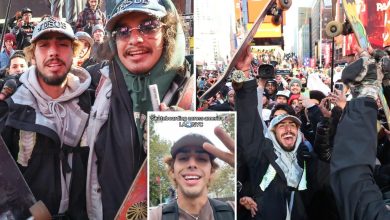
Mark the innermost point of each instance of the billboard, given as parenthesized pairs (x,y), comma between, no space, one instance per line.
(375,16)
(267,29)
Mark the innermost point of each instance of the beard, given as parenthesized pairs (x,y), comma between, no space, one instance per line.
(53,80)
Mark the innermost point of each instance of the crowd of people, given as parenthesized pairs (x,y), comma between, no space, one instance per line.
(76,99)
(301,146)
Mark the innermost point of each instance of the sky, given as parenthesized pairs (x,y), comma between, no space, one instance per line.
(292,22)
(171,130)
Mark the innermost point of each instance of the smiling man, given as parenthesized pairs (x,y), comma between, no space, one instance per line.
(275,167)
(149,48)
(44,120)
(191,170)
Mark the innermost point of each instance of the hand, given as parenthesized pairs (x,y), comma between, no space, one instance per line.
(164,108)
(244,62)
(303,154)
(249,204)
(306,102)
(338,98)
(360,52)
(228,157)
(324,108)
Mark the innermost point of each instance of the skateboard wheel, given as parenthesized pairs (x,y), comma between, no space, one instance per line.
(333,29)
(39,211)
(276,19)
(137,211)
(285,4)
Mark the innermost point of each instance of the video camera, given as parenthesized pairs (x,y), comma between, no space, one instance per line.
(266,71)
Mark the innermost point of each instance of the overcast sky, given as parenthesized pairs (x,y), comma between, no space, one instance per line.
(292,22)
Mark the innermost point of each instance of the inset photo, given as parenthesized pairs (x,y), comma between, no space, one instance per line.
(191,162)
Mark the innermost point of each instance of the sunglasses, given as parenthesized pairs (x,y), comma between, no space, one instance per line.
(146,28)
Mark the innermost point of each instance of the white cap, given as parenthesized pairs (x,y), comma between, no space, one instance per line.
(81,35)
(51,24)
(285,93)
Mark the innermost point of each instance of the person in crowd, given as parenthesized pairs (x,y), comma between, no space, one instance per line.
(9,44)
(90,16)
(98,35)
(227,105)
(149,49)
(191,169)
(83,58)
(24,28)
(274,160)
(17,64)
(282,96)
(355,146)
(295,86)
(270,89)
(43,122)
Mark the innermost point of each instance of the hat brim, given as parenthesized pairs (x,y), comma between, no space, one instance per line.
(116,17)
(89,40)
(292,118)
(54,30)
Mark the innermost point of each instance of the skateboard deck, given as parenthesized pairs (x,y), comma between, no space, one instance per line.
(361,36)
(16,198)
(357,25)
(134,207)
(247,40)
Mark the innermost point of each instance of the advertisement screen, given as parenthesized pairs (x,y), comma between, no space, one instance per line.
(375,16)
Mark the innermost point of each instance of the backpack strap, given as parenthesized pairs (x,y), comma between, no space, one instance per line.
(221,210)
(170,211)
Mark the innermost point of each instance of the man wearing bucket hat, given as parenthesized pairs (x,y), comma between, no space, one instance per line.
(148,42)
(83,58)
(44,120)
(191,169)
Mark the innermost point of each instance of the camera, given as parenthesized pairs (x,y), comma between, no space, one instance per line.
(339,86)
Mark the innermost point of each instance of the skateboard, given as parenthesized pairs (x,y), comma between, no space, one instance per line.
(16,200)
(134,207)
(354,25)
(272,7)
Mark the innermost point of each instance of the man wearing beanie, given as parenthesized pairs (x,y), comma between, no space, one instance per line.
(149,46)
(9,43)
(295,86)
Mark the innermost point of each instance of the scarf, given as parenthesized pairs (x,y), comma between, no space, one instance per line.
(288,161)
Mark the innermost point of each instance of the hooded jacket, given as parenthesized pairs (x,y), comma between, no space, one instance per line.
(45,138)
(117,125)
(271,179)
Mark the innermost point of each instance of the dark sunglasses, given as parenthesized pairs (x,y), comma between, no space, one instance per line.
(145,29)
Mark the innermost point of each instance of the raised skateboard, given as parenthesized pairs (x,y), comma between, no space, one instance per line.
(272,7)
(353,22)
(16,198)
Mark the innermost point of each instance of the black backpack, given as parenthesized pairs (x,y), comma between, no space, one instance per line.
(221,210)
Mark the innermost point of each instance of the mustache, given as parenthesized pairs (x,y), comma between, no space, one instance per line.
(131,50)
(54,59)
(288,133)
